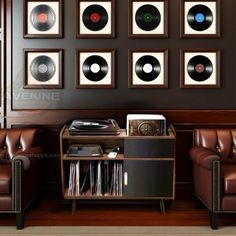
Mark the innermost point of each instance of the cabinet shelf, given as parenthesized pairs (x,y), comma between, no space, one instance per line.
(119,157)
(110,197)
(89,196)
(86,158)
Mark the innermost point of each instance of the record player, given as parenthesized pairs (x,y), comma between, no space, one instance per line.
(94,126)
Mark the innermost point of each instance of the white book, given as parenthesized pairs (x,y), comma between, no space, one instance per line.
(99,180)
(71,179)
(77,171)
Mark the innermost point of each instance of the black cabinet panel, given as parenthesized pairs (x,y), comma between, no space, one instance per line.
(140,147)
(148,178)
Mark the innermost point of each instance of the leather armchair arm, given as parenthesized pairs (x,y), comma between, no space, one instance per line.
(204,157)
(26,165)
(28,157)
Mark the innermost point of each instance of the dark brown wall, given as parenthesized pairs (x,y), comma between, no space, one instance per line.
(121,96)
(184,108)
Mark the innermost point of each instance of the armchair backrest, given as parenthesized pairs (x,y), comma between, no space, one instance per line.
(16,140)
(221,141)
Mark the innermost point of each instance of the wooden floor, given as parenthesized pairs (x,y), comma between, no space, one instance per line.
(51,210)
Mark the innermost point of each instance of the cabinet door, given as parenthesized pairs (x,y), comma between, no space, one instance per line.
(148,178)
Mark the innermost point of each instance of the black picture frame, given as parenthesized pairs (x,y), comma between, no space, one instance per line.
(206,71)
(108,79)
(107,31)
(161,80)
(33,28)
(188,31)
(54,69)
(160,31)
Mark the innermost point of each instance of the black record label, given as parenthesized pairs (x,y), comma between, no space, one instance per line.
(148,17)
(95,17)
(42,68)
(95,68)
(147,68)
(200,68)
(43,17)
(200,17)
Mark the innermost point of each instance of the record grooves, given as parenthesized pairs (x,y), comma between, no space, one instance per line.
(200,17)
(43,17)
(148,17)
(147,68)
(42,68)
(199,68)
(95,68)
(95,17)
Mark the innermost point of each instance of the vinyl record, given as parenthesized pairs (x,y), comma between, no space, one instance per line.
(147,68)
(200,17)
(95,68)
(199,68)
(90,124)
(148,17)
(95,17)
(43,17)
(42,68)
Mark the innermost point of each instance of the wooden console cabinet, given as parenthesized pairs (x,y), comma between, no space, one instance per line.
(143,169)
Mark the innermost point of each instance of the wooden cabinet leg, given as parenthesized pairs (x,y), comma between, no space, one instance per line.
(162,206)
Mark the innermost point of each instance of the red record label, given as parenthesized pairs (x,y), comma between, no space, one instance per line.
(95,17)
(42,17)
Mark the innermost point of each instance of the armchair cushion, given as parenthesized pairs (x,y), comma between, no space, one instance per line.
(229,178)
(5,202)
(5,178)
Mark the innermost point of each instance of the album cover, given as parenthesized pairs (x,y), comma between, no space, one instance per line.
(95,19)
(200,68)
(148,19)
(148,68)
(43,68)
(43,19)
(200,19)
(95,68)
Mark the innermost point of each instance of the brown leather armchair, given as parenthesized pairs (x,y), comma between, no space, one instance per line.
(214,170)
(19,170)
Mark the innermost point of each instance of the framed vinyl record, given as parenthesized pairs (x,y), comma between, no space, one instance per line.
(43,19)
(43,68)
(95,19)
(148,68)
(200,68)
(95,68)
(200,19)
(148,19)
